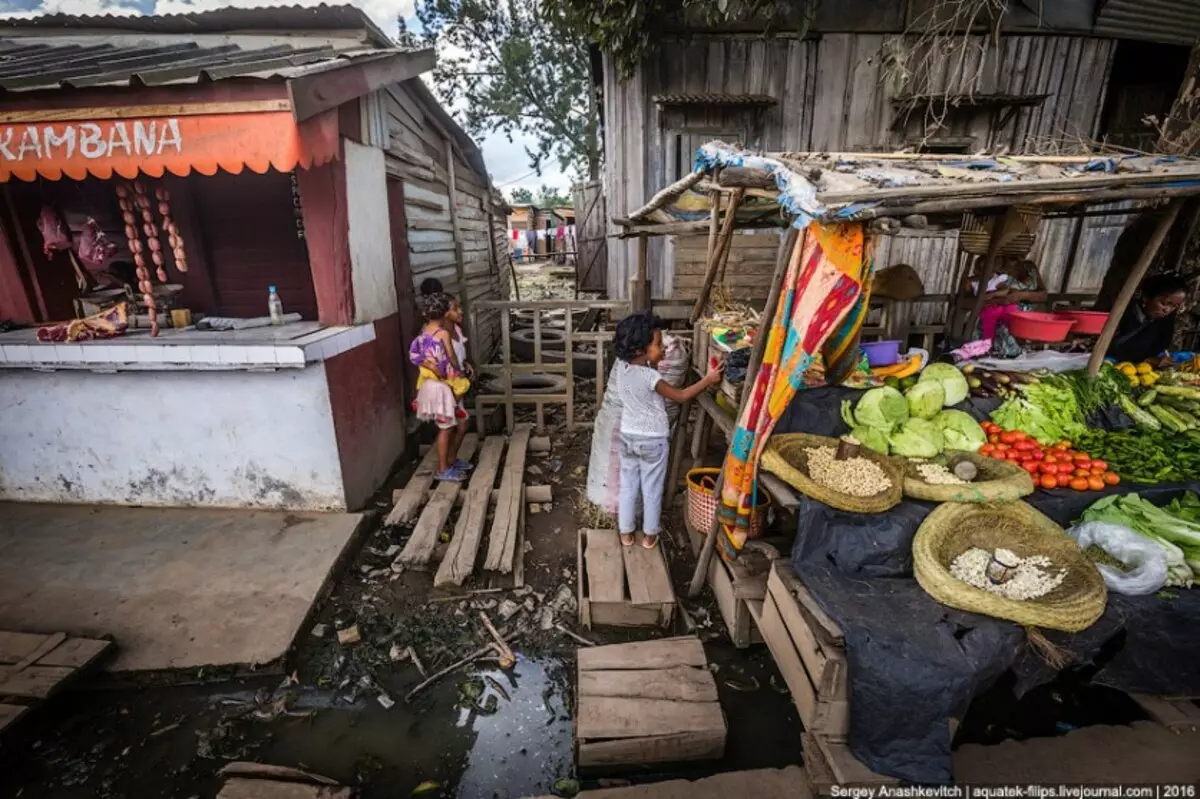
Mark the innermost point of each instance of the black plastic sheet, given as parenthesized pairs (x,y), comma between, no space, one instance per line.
(914,663)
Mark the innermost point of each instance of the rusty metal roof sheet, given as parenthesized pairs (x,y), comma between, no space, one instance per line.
(1168,21)
(43,66)
(223,20)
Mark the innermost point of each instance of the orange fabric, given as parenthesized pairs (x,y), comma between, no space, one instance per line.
(154,145)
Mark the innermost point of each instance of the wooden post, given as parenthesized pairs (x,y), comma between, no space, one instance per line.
(1131,283)
(677,444)
(506,348)
(715,265)
(569,362)
(760,345)
(641,292)
(714,223)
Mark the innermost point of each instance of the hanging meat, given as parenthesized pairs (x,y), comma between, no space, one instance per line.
(132,197)
(94,247)
(55,236)
(174,240)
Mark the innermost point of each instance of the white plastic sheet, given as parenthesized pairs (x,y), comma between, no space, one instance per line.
(1145,560)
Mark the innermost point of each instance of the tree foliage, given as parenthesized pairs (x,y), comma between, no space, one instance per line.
(522,196)
(518,67)
(549,197)
(624,29)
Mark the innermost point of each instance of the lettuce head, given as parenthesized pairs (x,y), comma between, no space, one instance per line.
(917,438)
(960,430)
(925,399)
(952,380)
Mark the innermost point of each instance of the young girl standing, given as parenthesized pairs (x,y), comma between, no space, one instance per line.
(644,425)
(442,381)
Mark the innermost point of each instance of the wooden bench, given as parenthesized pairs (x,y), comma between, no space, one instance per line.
(622,586)
(647,702)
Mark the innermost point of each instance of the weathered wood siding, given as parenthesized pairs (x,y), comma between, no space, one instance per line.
(419,152)
(591,243)
(834,93)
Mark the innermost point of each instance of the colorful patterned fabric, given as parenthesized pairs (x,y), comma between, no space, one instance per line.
(821,311)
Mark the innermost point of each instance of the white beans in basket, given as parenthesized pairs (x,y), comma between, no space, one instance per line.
(858,477)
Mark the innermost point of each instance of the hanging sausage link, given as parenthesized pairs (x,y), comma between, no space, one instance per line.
(131,196)
(174,240)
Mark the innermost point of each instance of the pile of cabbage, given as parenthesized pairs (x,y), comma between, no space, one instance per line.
(914,424)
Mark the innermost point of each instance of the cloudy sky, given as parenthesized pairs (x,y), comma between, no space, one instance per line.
(507,160)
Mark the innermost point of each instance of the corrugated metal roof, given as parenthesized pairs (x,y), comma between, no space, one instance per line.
(33,67)
(1168,21)
(224,20)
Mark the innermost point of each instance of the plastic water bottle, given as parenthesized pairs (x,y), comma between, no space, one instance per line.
(275,307)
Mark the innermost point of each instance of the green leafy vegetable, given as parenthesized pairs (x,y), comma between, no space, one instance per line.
(1178,537)
(960,430)
(917,438)
(953,383)
(871,438)
(925,399)
(882,408)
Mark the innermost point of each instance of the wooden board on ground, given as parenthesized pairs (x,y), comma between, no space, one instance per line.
(735,611)
(424,539)
(34,666)
(647,702)
(408,500)
(1176,713)
(459,561)
(241,788)
(622,586)
(502,543)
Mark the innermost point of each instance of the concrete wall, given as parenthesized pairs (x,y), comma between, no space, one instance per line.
(371,271)
(235,439)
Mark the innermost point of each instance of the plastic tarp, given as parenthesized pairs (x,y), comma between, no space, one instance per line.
(914,663)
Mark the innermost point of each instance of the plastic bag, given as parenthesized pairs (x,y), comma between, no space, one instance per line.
(1145,560)
(674,368)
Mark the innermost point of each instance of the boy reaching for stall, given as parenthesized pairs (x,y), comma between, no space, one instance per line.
(644,424)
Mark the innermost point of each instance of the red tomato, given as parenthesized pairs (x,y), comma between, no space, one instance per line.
(1021,435)
(987,449)
(1023,445)
(1024,457)
(1081,473)
(1031,467)
(1046,467)
(1079,484)
(1050,458)
(1099,464)
(1064,480)
(1003,447)
(1063,445)
(1008,437)
(1083,463)
(1095,483)
(1048,481)
(993,438)
(1082,456)
(1038,454)
(1111,478)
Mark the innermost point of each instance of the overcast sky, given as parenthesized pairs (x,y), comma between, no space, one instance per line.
(506,160)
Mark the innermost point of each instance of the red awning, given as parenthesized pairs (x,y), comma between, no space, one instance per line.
(152,146)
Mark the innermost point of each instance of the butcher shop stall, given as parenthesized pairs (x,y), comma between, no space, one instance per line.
(203,276)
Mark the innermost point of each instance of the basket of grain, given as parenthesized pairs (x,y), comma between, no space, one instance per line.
(938,481)
(866,483)
(1008,561)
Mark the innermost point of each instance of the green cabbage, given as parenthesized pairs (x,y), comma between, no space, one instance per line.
(917,438)
(960,430)
(881,408)
(871,438)
(925,399)
(952,380)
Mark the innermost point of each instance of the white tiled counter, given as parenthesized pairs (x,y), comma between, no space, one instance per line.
(286,347)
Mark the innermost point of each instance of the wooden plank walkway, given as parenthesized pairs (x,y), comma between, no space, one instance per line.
(459,561)
(424,539)
(35,666)
(502,543)
(622,586)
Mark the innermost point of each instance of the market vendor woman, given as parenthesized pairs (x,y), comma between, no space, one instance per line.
(1015,284)
(1146,329)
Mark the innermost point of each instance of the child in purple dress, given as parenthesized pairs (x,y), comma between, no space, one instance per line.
(437,401)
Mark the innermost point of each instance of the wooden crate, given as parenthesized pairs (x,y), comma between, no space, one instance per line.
(647,702)
(622,586)
(808,649)
(739,598)
(828,763)
(35,666)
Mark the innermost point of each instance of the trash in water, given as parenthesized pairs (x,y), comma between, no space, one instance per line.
(508,609)
(425,787)
(744,686)
(498,688)
(319,630)
(565,788)
(385,700)
(349,635)
(779,689)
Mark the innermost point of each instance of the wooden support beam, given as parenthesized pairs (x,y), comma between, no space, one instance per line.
(722,254)
(1130,287)
(312,94)
(459,561)
(641,292)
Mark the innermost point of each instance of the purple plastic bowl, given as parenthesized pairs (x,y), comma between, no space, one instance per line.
(882,353)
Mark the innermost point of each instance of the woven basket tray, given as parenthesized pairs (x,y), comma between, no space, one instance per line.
(952,528)
(998,481)
(784,457)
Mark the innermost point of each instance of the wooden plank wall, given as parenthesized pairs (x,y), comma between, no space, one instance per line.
(834,93)
(419,152)
(748,273)
(591,258)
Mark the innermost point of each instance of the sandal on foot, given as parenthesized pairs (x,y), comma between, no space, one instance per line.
(650,541)
(451,475)
(463,466)
(627,539)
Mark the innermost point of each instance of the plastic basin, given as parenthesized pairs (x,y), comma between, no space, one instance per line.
(1037,326)
(882,353)
(1087,323)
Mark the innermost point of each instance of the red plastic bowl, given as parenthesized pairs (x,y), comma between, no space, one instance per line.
(1037,326)
(1087,323)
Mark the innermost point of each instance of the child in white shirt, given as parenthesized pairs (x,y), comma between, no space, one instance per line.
(644,425)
